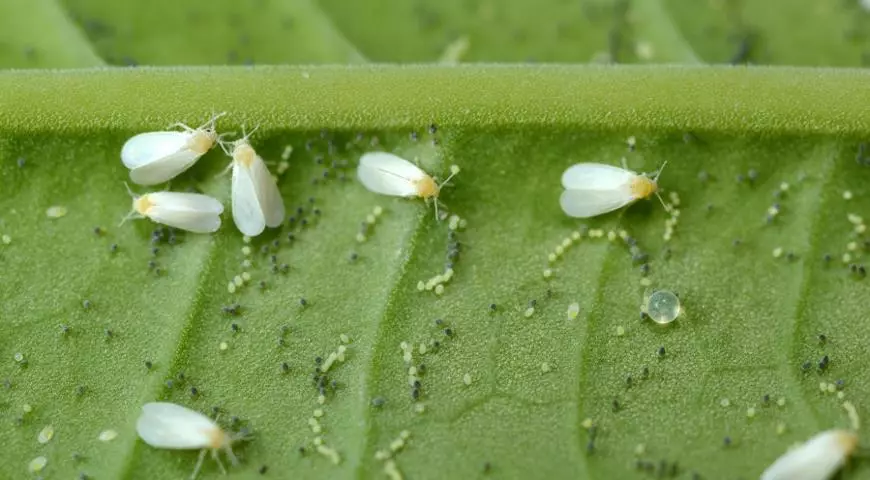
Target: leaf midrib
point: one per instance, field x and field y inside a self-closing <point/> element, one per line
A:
<point x="380" y="344"/>
<point x="757" y="100"/>
<point x="194" y="315"/>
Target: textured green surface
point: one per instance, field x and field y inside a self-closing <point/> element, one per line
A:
<point x="751" y="320"/>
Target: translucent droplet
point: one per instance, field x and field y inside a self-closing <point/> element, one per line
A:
<point x="663" y="307"/>
<point x="108" y="435"/>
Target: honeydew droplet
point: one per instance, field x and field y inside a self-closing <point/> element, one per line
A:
<point x="750" y="412"/>
<point x="26" y="408"/>
<point x="852" y="246"/>
<point x="246" y="250"/>
<point x="725" y="402"/>
<point x="575" y="235"/>
<point x="645" y="282"/>
<point x="854" y="219"/>
<point x="108" y="435"/>
<point x="223" y="346"/>
<point x="421" y="286"/>
<point x="247" y="263"/>
<point x="45" y="435"/>
<point x="663" y="307"/>
<point x="777" y="252"/>
<point x="318" y="413"/>
<point x="231" y="287"/>
<point x="620" y="331"/>
<point x="419" y="408"/>
<point x="823" y="387"/>
<point x="56" y="211"/>
<point x="611" y="235"/>
<point x="466" y="379"/>
<point x="19" y="357"/>
<point x="360" y="238"/>
<point x="370" y="219"/>
<point x="246" y="276"/>
<point x="847" y="195"/>
<point x="37" y="464"/>
<point x="246" y="239"/>
<point x="784" y="186"/>
<point x="559" y="250"/>
<point x="551" y="257"/>
<point x="6" y="239"/>
<point x="344" y="338"/>
<point x="587" y="423"/>
<point x="780" y="428"/>
<point x="378" y="211"/>
<point x="847" y="258"/>
<point x="238" y="280"/>
<point x="439" y="289"/>
<point x="529" y="312"/>
<point x="548" y="273"/>
<point x="566" y="242"/>
<point x="545" y="367"/>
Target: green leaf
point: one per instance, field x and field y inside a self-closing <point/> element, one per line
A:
<point x="166" y="32"/>
<point x="751" y="320"/>
<point x="38" y="34"/>
<point x="800" y="32"/>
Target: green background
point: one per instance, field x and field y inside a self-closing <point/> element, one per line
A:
<point x="751" y="320"/>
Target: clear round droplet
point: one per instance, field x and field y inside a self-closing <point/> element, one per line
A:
<point x="663" y="307"/>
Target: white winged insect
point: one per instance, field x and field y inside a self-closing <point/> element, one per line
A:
<point x="593" y="189"/>
<point x="157" y="157"/>
<point x="389" y="174"/>
<point x="816" y="459"/>
<point x="170" y="426"/>
<point x="257" y="202"/>
<point x="193" y="212"/>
